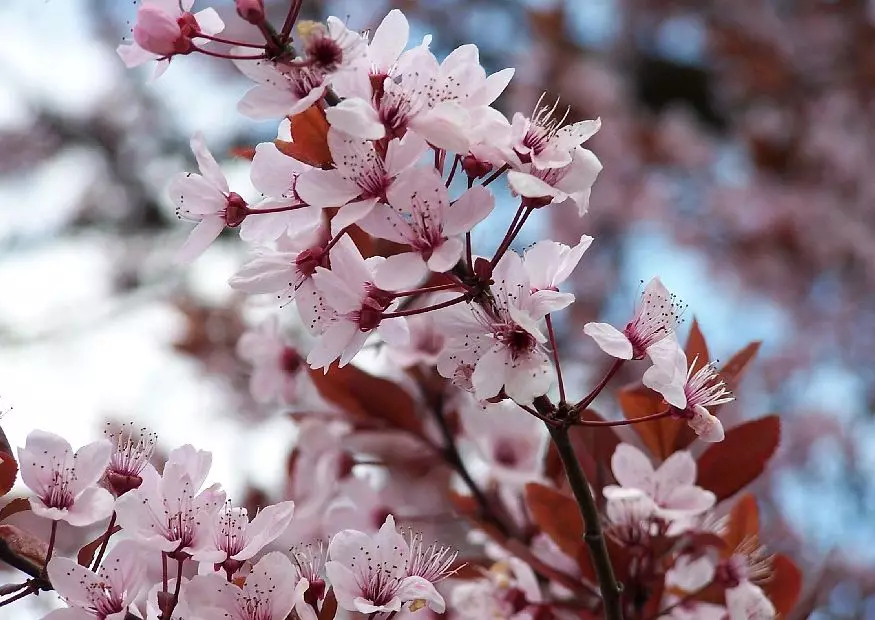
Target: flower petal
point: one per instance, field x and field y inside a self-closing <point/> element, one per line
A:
<point x="610" y="340"/>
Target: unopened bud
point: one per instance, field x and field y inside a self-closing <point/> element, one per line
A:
<point x="251" y="10"/>
<point x="475" y="168"/>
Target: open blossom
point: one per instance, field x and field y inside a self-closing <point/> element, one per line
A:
<point x="276" y="364"/>
<point x="284" y="89"/>
<point x="237" y="538"/>
<point x="630" y="514"/>
<point x="275" y="175"/>
<point x="420" y="215"/>
<point x="548" y="264"/>
<point x="691" y="393"/>
<point x="499" y="346"/>
<point x="349" y="307"/>
<point x="361" y="176"/>
<point x="165" y="28"/>
<point x="271" y="591"/>
<point x="64" y="482"/>
<point x="572" y="182"/>
<point x="671" y="486"/>
<point x="105" y="595"/>
<point x="169" y="512"/>
<point x="426" y="340"/>
<point x="369" y="573"/>
<point x="205" y="198"/>
<point x="545" y="140"/>
<point x="509" y="590"/>
<point x="380" y="55"/>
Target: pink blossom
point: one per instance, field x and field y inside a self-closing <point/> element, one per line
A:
<point x="509" y="590"/>
<point x="498" y="346"/>
<point x="348" y="307"/>
<point x="275" y="175"/>
<point x="690" y="393"/>
<point x="419" y="214"/>
<point x="128" y="459"/>
<point x="271" y="591"/>
<point x="165" y="28"/>
<point x="237" y="538"/>
<point x="205" y="198"/>
<point x="747" y="601"/>
<point x="545" y="141"/>
<point x="548" y="264"/>
<point x="360" y="177"/>
<point x="286" y="269"/>
<point x="369" y="573"/>
<point x="572" y="182"/>
<point x="671" y="487"/>
<point x="65" y="484"/>
<point x="276" y="364"/>
<point x="106" y="595"/>
<point x="169" y="512"/>
<point x="630" y="513"/>
<point x="426" y="340"/>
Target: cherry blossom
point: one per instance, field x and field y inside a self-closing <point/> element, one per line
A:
<point x="360" y="178"/>
<point x="690" y="393"/>
<point x="276" y="364"/>
<point x="509" y="590"/>
<point x="205" y="198"/>
<point x="545" y="186"/>
<point x="630" y="514"/>
<point x="271" y="591"/>
<point x="128" y="459"/>
<point x="671" y="486"/>
<point x="237" y="538"/>
<point x="169" y="512"/>
<point x="426" y="340"/>
<point x="64" y="482"/>
<point x="349" y="307"/>
<point x="419" y="214"/>
<point x="369" y="573"/>
<point x="544" y="140"/>
<point x="498" y="346"/>
<point x="165" y="28"/>
<point x="548" y="264"/>
<point x="748" y="602"/>
<point x="106" y="595"/>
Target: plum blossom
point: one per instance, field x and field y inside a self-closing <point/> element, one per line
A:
<point x="286" y="89"/>
<point x="348" y="307"/>
<point x="287" y="268"/>
<point x="169" y="512"/>
<point x="64" y="482"/>
<point x="671" y="486"/>
<point x="237" y="538"/>
<point x="545" y="140"/>
<point x="630" y="514"/>
<point x="165" y="28"/>
<point x="205" y="198"/>
<point x="106" y="595"/>
<point x="548" y="264"/>
<point x="271" y="591"/>
<point x="369" y="573"/>
<point x="545" y="186"/>
<point x="360" y="177"/>
<point x="509" y="590"/>
<point x="128" y="459"/>
<point x="276" y="364"/>
<point x="275" y="175"/>
<point x="420" y="215"/>
<point x="498" y="346"/>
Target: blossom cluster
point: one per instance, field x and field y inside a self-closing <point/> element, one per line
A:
<point x="385" y="161"/>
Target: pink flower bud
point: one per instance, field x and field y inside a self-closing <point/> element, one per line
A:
<point x="251" y="10"/>
<point x="156" y="31"/>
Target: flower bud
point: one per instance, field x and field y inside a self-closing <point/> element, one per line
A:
<point x="251" y="10"/>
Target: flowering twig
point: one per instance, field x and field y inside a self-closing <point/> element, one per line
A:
<point x="593" y="536"/>
<point x="587" y="400"/>
<point x="555" y="349"/>
<point x="412" y="311"/>
<point x="99" y="557"/>
<point x="52" y="537"/>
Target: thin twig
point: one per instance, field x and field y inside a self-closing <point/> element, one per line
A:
<point x="99" y="557"/>
<point x="585" y="402"/>
<point x="555" y="347"/>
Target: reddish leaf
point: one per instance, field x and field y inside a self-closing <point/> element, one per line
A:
<point x="727" y="467"/>
<point x="785" y="584"/>
<point x="557" y="515"/>
<point x="733" y="370"/>
<point x="8" y="472"/>
<point x="86" y="553"/>
<point x="366" y="396"/>
<point x="19" y="504"/>
<point x="697" y="348"/>
<point x="744" y="522"/>
<point x="310" y="138"/>
<point x="658" y="435"/>
<point x="329" y="606"/>
<point x="244" y="152"/>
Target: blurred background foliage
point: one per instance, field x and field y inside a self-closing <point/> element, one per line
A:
<point x="738" y="143"/>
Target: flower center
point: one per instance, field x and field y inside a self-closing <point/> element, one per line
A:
<point x="519" y="341"/>
<point x="235" y="210"/>
<point x="290" y="361"/>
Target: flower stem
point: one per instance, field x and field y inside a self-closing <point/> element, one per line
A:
<point x="516" y="227"/>
<point x="28" y="590"/>
<point x="647" y="418"/>
<point x="168" y="614"/>
<point x="51" y="546"/>
<point x="593" y="536"/>
<point x="99" y="557"/>
<point x="585" y="402"/>
<point x="291" y="17"/>
<point x="555" y="347"/>
<point x="496" y="174"/>
<point x="412" y="311"/>
<point x="426" y="289"/>
<point x="276" y="209"/>
<point x="229" y="56"/>
<point x="456" y="161"/>
<point x="208" y="37"/>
